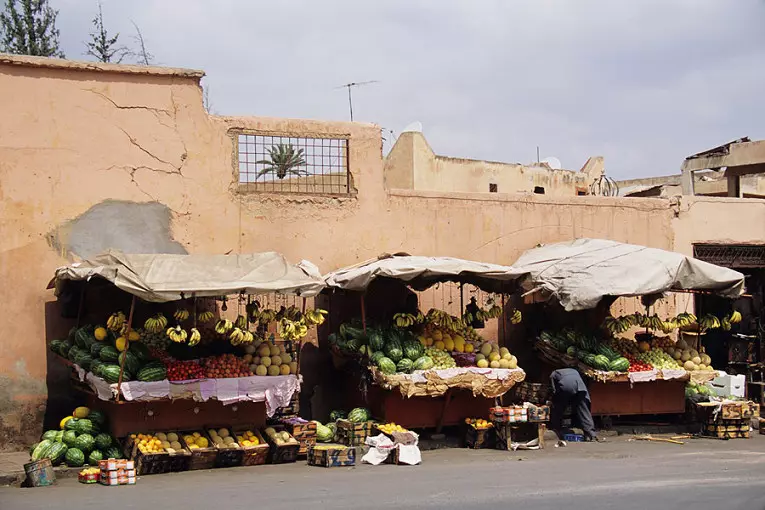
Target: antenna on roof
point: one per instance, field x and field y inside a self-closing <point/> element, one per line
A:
<point x="349" y="86"/>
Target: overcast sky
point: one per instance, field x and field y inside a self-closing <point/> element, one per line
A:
<point x="642" y="82"/>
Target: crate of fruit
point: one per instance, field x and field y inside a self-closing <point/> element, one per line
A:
<point x="479" y="433"/>
<point x="180" y="456"/>
<point x="254" y="446"/>
<point x="203" y="453"/>
<point x="331" y="455"/>
<point x="230" y="452"/>
<point x="537" y="393"/>
<point x="283" y="447"/>
<point x="302" y="430"/>
<point x="148" y="454"/>
<point x="352" y="433"/>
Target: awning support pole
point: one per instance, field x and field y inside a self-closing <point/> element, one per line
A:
<point x="127" y="345"/>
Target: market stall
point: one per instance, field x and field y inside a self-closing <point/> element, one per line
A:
<point x="637" y="363"/>
<point x="175" y="359"/>
<point x="422" y="369"/>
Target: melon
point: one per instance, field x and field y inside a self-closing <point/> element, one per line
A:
<point x="689" y="365"/>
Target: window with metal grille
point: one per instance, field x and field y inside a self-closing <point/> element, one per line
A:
<point x="290" y="164"/>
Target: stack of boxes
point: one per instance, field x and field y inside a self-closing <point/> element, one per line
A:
<point x="732" y="421"/>
<point x="117" y="472"/>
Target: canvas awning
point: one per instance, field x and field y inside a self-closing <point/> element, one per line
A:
<point x="423" y="272"/>
<point x="163" y="277"/>
<point x="580" y="273"/>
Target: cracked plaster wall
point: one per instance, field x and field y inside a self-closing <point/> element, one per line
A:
<point x="75" y="142"/>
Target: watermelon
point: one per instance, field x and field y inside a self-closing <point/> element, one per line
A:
<point x="323" y="433"/>
<point x="84" y="361"/>
<point x="56" y="453"/>
<point x="95" y="367"/>
<point x="607" y="352"/>
<point x="113" y="453"/>
<point x="140" y="350"/>
<point x="69" y="437"/>
<point x="395" y="353"/>
<point x="337" y="414"/>
<point x="571" y="351"/>
<point x="74" y="457"/>
<point x="55" y="346"/>
<point x="109" y="354"/>
<point x="423" y="363"/>
<point x="50" y="435"/>
<point x="84" y="338"/>
<point x="405" y="366"/>
<point x="351" y="345"/>
<point x="601" y="362"/>
<point x="103" y="441"/>
<point x="386" y="365"/>
<point x="74" y="352"/>
<point x="365" y="350"/>
<point x="97" y="417"/>
<point x="71" y="424"/>
<point x="375" y="357"/>
<point x="356" y="333"/>
<point x="111" y="373"/>
<point x="86" y="426"/>
<point x="620" y="364"/>
<point x="413" y="349"/>
<point x="359" y="414"/>
<point x="376" y="340"/>
<point x="84" y="442"/>
<point x="94" y="457"/>
<point x="64" y="349"/>
<point x="41" y="450"/>
<point x="95" y="349"/>
<point x="132" y="363"/>
<point x="32" y="448"/>
<point x="151" y="374"/>
<point x="59" y="436"/>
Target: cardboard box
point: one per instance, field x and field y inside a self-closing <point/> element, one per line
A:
<point x="115" y="464"/>
<point x="729" y="385"/>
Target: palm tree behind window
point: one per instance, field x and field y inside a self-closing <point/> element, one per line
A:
<point x="283" y="160"/>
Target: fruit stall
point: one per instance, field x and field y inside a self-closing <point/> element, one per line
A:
<point x="178" y="342"/>
<point x="422" y="369"/>
<point x="638" y="363"/>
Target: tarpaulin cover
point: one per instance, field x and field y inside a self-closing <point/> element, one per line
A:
<point x="163" y="277"/>
<point x="423" y="272"/>
<point x="580" y="273"/>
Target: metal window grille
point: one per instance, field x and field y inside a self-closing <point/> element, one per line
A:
<point x="322" y="165"/>
<point x="734" y="256"/>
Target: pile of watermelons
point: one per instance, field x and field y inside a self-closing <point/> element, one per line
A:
<point x="103" y="358"/>
<point x="81" y="440"/>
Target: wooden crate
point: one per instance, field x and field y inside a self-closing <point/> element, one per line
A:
<point x="147" y="463"/>
<point x="508" y="433"/>
<point x="225" y="457"/>
<point x="479" y="438"/>
<point x="332" y="456"/>
<point x="305" y="433"/>
<point x="201" y="458"/>
<point x="253" y="455"/>
<point x="537" y="393"/>
<point x="281" y="454"/>
<point x="353" y="434"/>
<point x="739" y="410"/>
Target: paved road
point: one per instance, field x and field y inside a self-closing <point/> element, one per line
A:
<point x="703" y="474"/>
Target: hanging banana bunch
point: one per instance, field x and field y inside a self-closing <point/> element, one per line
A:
<point x="315" y="317"/>
<point x="292" y="330"/>
<point x="155" y="324"/>
<point x="267" y="316"/>
<point x="735" y="317"/>
<point x="404" y="320"/>
<point x="253" y="310"/>
<point x="241" y="322"/>
<point x="194" y="337"/>
<point x="517" y="317"/>
<point x="177" y="334"/>
<point x="709" y="321"/>
<point x="223" y="326"/>
<point x="236" y="336"/>
<point x="181" y="314"/>
<point x="116" y="321"/>
<point x="205" y="317"/>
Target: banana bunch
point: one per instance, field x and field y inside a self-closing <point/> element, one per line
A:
<point x="516" y="318"/>
<point x="155" y="324"/>
<point x="205" y="316"/>
<point x="685" y="319"/>
<point x="735" y="317"/>
<point x="725" y="324"/>
<point x="181" y="314"/>
<point x="252" y="309"/>
<point x="291" y="313"/>
<point x="266" y="316"/>
<point x="709" y="321"/>
<point x="194" y="337"/>
<point x="669" y="325"/>
<point x="617" y="325"/>
<point x="404" y="320"/>
<point x="223" y="326"/>
<point x="444" y="320"/>
<point x="241" y="322"/>
<point x="315" y="317"/>
<point x="654" y="322"/>
<point x="494" y="311"/>
<point x="240" y="336"/>
<point x="292" y="330"/>
<point x="177" y="334"/>
<point x="116" y="321"/>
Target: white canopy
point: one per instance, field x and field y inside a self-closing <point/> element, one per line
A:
<point x="579" y="273"/>
<point x="423" y="272"/>
<point x="163" y="277"/>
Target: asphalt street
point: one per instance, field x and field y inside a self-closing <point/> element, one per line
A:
<point x="623" y="474"/>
